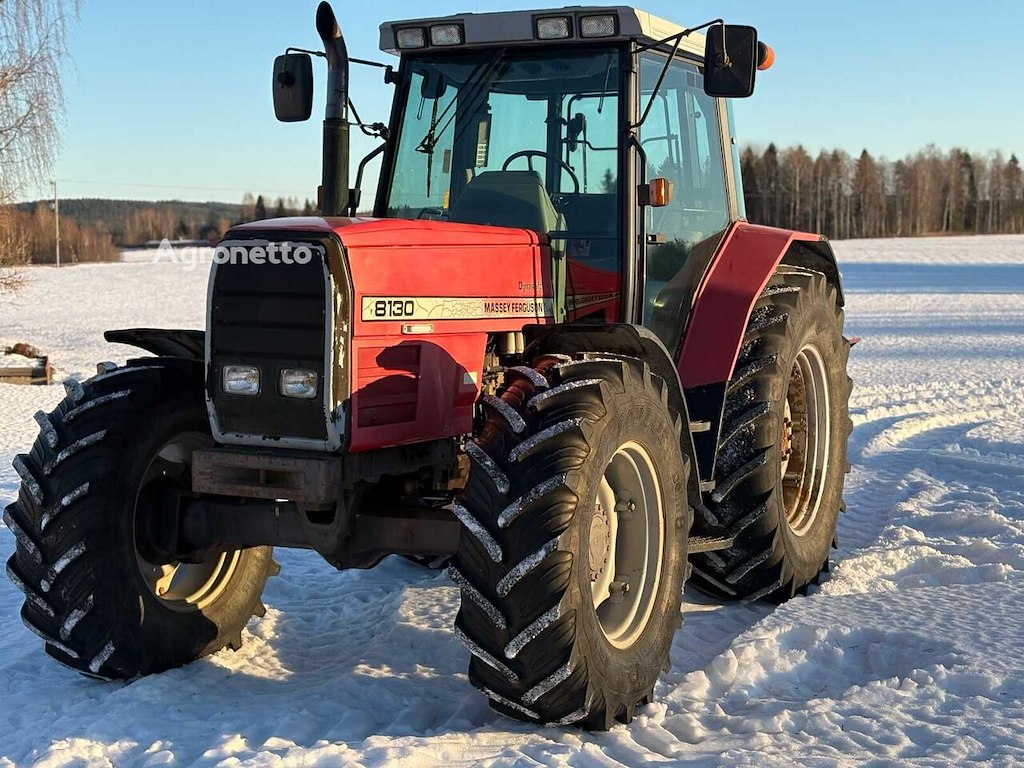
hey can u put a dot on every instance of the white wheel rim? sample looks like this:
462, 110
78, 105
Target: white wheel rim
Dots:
185, 586
626, 553
806, 440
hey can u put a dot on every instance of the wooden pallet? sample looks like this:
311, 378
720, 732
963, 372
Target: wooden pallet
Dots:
36, 371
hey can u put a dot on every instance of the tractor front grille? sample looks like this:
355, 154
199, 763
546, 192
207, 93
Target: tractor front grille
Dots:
273, 317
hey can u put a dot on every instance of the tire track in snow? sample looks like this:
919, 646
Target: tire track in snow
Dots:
892, 437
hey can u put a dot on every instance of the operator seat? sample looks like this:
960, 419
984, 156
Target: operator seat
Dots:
507, 199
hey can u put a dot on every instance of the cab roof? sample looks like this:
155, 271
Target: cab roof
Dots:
520, 28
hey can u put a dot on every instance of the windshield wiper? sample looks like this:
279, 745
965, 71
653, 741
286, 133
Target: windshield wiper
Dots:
478, 80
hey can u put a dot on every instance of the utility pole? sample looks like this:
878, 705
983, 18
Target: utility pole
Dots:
56, 218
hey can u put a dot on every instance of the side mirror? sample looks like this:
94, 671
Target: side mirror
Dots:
730, 61
293, 87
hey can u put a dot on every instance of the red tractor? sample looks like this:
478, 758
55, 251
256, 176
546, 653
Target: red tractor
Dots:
556, 358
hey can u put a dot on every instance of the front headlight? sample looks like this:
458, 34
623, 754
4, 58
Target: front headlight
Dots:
296, 382
241, 380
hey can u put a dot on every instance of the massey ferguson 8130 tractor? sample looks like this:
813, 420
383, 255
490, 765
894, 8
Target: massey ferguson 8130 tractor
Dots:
556, 357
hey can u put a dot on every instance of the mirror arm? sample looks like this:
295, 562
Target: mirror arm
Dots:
373, 130
389, 71
677, 39
657, 85
679, 35
291, 49
357, 192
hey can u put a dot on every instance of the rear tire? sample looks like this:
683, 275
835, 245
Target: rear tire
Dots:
569, 606
81, 558
782, 451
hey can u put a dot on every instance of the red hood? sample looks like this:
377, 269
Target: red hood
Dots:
383, 233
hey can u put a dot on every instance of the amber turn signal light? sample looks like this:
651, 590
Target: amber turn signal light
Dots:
661, 192
657, 193
765, 56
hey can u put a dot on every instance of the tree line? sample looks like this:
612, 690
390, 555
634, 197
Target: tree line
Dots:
29, 237
928, 193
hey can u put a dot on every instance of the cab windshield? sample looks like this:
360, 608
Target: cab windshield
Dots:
517, 139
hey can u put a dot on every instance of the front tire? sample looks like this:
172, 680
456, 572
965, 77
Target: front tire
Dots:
95, 593
573, 552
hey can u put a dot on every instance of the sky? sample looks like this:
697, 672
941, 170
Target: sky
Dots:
173, 100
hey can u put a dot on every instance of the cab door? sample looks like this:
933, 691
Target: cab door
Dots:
682, 141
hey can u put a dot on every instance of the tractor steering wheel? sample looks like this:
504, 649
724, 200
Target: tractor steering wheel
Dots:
529, 154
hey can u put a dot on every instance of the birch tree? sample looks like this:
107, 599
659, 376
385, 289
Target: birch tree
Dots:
32, 46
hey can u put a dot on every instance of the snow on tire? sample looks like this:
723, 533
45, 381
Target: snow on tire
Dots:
573, 551
91, 594
782, 451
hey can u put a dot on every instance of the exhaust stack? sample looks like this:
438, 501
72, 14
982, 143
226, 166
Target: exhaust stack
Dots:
335, 193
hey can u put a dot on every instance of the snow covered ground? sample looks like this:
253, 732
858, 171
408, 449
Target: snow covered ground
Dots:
911, 654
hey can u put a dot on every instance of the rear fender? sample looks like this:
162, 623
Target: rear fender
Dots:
724, 300
817, 256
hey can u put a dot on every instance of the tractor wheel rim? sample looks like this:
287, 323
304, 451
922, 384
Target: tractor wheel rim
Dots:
805, 461
624, 583
185, 587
